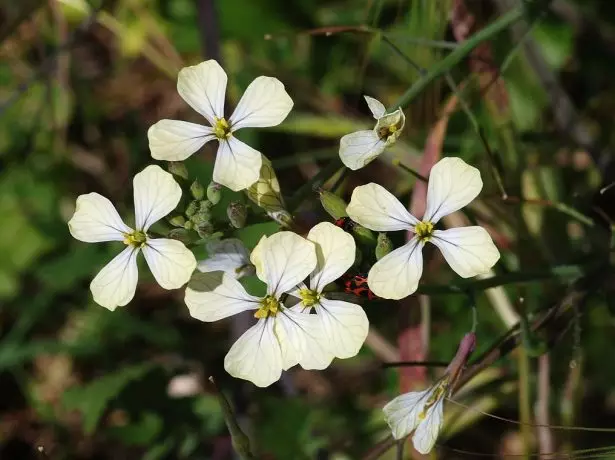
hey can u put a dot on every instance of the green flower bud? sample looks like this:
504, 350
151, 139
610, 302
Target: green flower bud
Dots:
383, 245
237, 214
282, 217
201, 216
180, 234
214, 192
205, 205
333, 204
364, 235
177, 221
358, 257
197, 190
205, 230
189, 225
178, 168
192, 208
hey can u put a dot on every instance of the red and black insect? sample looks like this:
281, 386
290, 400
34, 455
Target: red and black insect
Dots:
345, 223
357, 285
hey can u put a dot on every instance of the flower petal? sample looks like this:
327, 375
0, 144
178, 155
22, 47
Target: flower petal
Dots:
96, 219
156, 195
427, 432
376, 208
345, 326
170, 261
229, 256
468, 250
302, 340
402, 413
203, 86
237, 164
256, 355
335, 253
377, 108
256, 257
397, 274
116, 283
265, 103
360, 148
452, 185
217, 295
287, 260
174, 140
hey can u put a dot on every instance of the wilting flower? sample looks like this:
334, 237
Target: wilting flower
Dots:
359, 148
95, 220
266, 194
468, 250
230, 256
423, 411
282, 337
343, 324
203, 86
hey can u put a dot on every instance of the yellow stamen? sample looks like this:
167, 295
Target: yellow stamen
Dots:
135, 239
309, 297
222, 129
436, 395
269, 306
424, 230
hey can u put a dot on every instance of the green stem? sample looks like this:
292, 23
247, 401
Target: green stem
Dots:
524, 400
456, 56
306, 189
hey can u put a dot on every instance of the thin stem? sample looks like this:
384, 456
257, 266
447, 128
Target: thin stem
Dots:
561, 207
523, 362
398, 163
306, 189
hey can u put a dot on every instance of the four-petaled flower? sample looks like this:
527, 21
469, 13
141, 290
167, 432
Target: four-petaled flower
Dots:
282, 337
468, 250
360, 148
95, 220
230, 256
265, 103
343, 324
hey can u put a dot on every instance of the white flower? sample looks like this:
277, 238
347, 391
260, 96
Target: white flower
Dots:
155, 194
230, 256
468, 250
344, 324
418, 411
359, 148
203, 86
282, 337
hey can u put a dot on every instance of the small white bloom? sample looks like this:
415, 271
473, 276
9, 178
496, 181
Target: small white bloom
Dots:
265, 103
95, 220
468, 250
360, 148
343, 324
418, 411
282, 337
229, 256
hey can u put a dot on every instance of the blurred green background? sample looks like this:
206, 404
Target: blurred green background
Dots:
79, 86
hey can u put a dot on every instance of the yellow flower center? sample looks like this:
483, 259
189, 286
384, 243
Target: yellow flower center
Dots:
424, 230
222, 129
135, 239
269, 306
309, 297
436, 395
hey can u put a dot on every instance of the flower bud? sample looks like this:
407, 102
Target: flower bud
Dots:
383, 245
192, 208
282, 217
178, 168
237, 214
333, 204
201, 216
205, 230
180, 234
189, 225
214, 192
177, 221
358, 257
197, 190
364, 235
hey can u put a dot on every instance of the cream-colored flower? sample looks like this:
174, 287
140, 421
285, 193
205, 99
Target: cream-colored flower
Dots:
282, 337
360, 148
344, 325
95, 220
265, 193
265, 103
230, 256
468, 250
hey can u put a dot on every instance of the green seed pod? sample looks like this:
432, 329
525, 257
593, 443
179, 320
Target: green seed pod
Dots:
177, 221
197, 190
383, 246
364, 235
333, 204
178, 168
192, 208
237, 214
180, 234
214, 192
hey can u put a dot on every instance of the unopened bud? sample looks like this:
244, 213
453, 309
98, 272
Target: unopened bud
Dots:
364, 235
177, 221
189, 225
358, 257
214, 192
180, 234
205, 230
383, 246
205, 205
237, 214
192, 208
200, 217
178, 168
197, 190
333, 204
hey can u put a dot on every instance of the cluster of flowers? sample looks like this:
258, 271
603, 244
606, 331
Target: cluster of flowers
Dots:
297, 324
